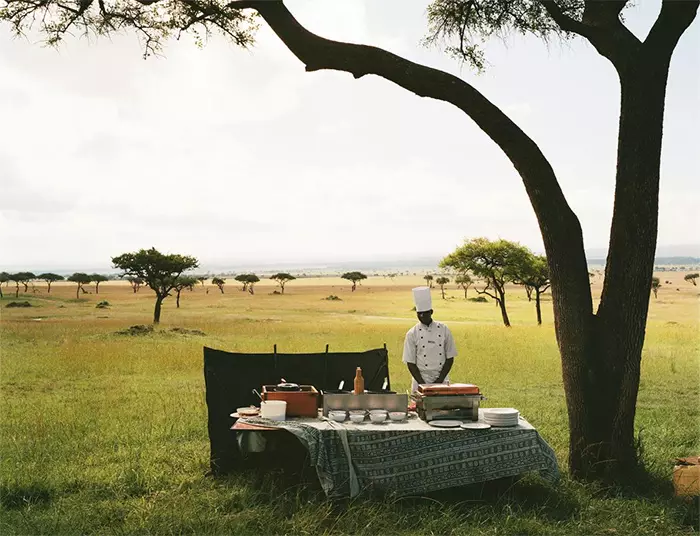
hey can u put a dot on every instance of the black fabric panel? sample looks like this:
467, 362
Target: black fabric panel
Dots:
230, 378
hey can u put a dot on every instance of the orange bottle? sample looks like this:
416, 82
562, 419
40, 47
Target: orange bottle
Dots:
359, 382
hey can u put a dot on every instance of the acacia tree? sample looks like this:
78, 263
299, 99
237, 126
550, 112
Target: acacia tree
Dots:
243, 279
181, 283
428, 280
691, 278
158, 270
655, 286
464, 281
219, 282
442, 281
135, 283
22, 278
50, 278
4, 278
355, 277
81, 279
202, 279
498, 263
251, 279
97, 279
600, 350
282, 278
534, 275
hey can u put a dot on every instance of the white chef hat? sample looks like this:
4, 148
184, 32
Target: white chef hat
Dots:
422, 299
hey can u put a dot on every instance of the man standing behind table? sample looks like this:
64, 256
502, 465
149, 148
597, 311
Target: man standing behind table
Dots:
429, 347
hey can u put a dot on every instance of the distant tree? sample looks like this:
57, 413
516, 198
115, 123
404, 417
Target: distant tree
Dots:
533, 273
159, 271
691, 278
81, 279
219, 282
655, 286
442, 281
181, 283
242, 278
135, 283
392, 276
251, 279
97, 279
428, 280
22, 278
4, 278
464, 281
355, 277
50, 278
201, 279
496, 262
282, 278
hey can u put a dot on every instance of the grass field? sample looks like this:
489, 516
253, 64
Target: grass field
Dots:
106, 433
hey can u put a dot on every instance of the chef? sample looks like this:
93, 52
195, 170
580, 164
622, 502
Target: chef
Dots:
429, 348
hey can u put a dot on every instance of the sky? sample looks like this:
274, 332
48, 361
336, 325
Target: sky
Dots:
240, 156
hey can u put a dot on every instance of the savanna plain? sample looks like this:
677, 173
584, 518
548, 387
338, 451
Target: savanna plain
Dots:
105, 433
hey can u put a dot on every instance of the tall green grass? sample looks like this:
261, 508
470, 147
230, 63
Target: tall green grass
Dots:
106, 433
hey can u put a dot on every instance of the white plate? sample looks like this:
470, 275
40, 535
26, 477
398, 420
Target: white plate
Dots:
476, 425
445, 424
501, 412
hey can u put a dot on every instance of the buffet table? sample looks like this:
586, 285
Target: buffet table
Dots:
410, 457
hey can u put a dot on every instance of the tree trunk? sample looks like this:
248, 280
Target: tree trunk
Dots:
465, 293
442, 289
97, 288
528, 291
1, 296
156, 311
282, 285
26, 287
49, 289
354, 285
77, 292
177, 299
537, 306
17, 290
656, 293
601, 419
504, 313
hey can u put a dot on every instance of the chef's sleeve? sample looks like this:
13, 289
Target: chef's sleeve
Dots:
409, 348
450, 346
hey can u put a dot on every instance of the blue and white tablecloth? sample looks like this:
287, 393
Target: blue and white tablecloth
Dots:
412, 457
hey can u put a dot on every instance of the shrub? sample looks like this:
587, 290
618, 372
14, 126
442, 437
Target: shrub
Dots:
479, 299
332, 297
102, 305
140, 329
19, 304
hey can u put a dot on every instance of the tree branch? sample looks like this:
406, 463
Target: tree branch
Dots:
673, 20
565, 22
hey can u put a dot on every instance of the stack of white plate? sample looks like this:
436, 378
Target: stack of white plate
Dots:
501, 416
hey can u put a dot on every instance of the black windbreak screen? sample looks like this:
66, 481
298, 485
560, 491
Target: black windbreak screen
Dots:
231, 377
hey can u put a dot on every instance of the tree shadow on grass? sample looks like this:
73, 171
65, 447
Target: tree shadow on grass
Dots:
16, 496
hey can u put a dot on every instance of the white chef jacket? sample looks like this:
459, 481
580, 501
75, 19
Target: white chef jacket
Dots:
428, 347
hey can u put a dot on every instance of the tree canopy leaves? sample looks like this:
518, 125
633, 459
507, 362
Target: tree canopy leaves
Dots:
463, 25
155, 21
158, 270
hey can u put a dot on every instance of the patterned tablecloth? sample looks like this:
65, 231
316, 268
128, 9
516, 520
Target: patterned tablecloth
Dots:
412, 457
